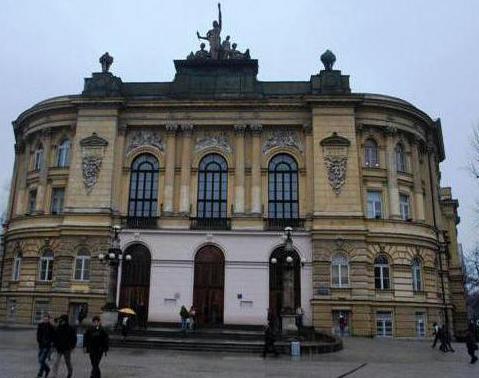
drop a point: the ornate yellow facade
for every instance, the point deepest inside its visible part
(370, 206)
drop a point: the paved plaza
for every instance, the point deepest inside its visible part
(361, 357)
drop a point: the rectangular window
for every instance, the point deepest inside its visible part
(420, 324)
(384, 324)
(32, 201)
(404, 206)
(16, 268)
(46, 269)
(374, 205)
(40, 309)
(58, 196)
(38, 160)
(82, 268)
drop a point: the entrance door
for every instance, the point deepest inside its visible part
(277, 267)
(135, 282)
(208, 290)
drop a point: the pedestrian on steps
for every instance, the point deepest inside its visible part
(45, 338)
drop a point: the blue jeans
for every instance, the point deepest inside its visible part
(183, 323)
(42, 360)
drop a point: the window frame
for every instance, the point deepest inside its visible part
(63, 154)
(372, 211)
(288, 180)
(38, 158)
(381, 265)
(83, 258)
(144, 184)
(405, 206)
(401, 159)
(32, 200)
(57, 203)
(340, 262)
(417, 277)
(371, 153)
(384, 317)
(17, 266)
(211, 181)
(47, 258)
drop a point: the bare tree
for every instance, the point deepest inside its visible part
(472, 270)
(474, 162)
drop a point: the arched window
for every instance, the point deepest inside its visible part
(212, 187)
(400, 158)
(416, 275)
(381, 273)
(17, 266)
(46, 266)
(371, 153)
(82, 266)
(283, 188)
(63, 154)
(340, 271)
(38, 158)
(144, 187)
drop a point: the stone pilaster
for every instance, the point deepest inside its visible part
(119, 151)
(42, 192)
(239, 204)
(185, 169)
(418, 194)
(308, 153)
(393, 190)
(432, 164)
(256, 169)
(171, 129)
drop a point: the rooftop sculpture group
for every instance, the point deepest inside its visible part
(218, 50)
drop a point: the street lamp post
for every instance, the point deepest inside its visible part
(113, 258)
(288, 317)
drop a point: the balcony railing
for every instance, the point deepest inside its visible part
(140, 222)
(281, 223)
(210, 223)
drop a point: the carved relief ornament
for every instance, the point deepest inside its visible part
(335, 152)
(138, 138)
(92, 153)
(282, 138)
(208, 141)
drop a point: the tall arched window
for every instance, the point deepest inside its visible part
(381, 273)
(339, 271)
(283, 188)
(416, 275)
(46, 266)
(400, 158)
(82, 266)
(17, 266)
(63, 154)
(38, 158)
(212, 187)
(371, 153)
(144, 187)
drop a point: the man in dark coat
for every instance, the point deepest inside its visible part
(269, 340)
(45, 337)
(65, 341)
(471, 345)
(95, 343)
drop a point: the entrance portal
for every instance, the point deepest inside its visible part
(209, 282)
(135, 282)
(277, 271)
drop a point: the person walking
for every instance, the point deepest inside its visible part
(342, 324)
(125, 327)
(65, 341)
(299, 319)
(184, 315)
(45, 338)
(471, 345)
(192, 317)
(269, 340)
(435, 332)
(96, 344)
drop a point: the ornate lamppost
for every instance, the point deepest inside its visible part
(113, 258)
(288, 318)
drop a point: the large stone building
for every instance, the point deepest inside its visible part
(203, 173)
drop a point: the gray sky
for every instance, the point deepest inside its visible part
(425, 52)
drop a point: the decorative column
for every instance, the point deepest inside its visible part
(431, 149)
(185, 169)
(16, 191)
(256, 169)
(393, 190)
(239, 169)
(42, 192)
(170, 168)
(418, 195)
(308, 153)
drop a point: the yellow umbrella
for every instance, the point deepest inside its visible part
(127, 311)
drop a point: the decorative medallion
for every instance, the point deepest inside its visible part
(282, 138)
(92, 152)
(138, 138)
(218, 141)
(335, 151)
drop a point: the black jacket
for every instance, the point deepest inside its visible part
(96, 340)
(65, 338)
(45, 335)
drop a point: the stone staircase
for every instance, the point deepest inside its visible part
(247, 339)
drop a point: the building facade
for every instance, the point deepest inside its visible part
(204, 173)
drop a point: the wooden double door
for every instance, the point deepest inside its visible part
(208, 290)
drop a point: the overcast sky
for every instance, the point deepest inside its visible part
(425, 52)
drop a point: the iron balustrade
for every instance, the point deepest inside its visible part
(210, 223)
(140, 222)
(281, 223)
